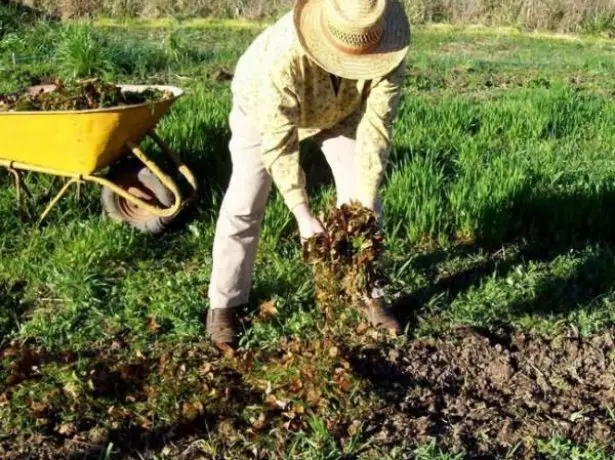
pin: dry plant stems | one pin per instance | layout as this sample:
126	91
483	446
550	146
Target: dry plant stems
83	95
347	258
561	15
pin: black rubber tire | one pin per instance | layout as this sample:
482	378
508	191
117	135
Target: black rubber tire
137	178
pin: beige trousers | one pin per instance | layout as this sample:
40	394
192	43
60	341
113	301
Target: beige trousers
241	214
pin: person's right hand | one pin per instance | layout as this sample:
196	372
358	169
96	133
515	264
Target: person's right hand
309	225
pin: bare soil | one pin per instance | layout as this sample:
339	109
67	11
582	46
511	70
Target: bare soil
488	394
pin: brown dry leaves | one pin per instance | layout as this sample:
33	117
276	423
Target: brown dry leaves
83	95
267	310
346	259
300	380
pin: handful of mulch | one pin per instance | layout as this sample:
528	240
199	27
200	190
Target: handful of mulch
346	258
83	95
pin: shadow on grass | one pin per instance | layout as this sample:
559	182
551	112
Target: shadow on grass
582	286
12	308
550	219
539	225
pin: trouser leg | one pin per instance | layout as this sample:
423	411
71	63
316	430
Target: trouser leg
240	219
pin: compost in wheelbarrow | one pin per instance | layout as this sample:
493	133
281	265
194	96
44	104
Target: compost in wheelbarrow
79	145
77	95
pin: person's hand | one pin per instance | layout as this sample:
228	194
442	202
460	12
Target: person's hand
309	225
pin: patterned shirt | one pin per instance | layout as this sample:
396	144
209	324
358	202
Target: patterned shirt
289	97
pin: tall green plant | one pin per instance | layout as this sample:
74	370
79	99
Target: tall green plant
82	53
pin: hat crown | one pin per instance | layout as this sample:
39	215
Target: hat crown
355	24
353	39
356	10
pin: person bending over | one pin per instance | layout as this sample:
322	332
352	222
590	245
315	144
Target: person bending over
331	70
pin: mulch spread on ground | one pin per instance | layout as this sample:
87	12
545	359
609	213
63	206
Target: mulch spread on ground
484	395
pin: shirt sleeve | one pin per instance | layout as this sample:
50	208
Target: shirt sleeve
374	133
279	115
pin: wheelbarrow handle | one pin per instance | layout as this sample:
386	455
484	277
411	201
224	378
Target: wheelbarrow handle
164	178
181	166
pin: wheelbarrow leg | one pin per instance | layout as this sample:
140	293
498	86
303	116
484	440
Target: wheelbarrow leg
17	179
19	187
58	197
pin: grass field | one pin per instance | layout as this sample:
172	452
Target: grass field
498	211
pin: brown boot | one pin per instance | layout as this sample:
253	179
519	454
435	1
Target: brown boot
379	315
223	327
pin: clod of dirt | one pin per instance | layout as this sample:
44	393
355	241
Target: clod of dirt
346	258
84	95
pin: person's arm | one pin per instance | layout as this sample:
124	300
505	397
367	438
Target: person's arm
279	116
374	133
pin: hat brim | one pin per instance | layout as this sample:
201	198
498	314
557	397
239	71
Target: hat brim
381	60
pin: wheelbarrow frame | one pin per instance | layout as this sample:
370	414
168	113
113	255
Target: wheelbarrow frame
15	168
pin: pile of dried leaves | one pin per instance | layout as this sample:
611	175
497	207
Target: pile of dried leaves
171	394
83	95
346	259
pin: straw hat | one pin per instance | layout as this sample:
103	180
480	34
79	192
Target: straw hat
354	39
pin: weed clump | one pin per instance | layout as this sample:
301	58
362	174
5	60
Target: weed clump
347	258
83	95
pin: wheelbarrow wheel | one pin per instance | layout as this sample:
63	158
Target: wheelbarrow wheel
140	182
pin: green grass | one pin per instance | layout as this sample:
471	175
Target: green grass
498	205
558	448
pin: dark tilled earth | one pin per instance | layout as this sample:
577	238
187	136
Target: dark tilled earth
486	395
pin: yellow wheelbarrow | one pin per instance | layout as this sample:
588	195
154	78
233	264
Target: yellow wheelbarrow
79	145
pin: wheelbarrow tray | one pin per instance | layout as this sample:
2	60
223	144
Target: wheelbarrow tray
80	142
